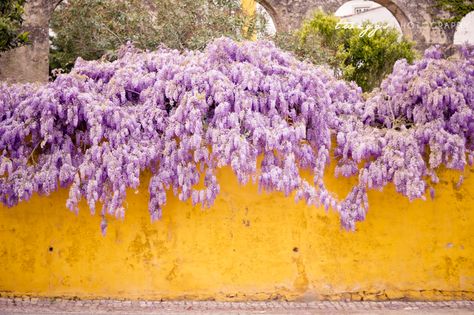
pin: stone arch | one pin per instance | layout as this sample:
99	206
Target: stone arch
395	7
400	15
289	14
413	16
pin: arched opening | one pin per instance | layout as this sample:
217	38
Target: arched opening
262	18
465	30
273	23
270	27
358	12
382	11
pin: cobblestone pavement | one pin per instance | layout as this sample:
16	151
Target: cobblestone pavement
63	306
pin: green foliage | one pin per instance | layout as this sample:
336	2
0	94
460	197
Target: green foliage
11	19
457	9
364	55
92	28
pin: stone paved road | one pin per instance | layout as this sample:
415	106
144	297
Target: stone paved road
75	307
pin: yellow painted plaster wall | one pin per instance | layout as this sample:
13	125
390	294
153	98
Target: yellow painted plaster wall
249	245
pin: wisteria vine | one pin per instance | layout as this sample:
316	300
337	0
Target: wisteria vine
183	115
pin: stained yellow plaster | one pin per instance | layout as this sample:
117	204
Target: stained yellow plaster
248	246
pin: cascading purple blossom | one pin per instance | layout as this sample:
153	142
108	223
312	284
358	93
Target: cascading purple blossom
183	115
421	118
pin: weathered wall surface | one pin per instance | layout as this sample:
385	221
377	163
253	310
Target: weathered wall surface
30	63
249	245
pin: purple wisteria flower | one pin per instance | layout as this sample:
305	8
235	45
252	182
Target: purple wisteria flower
183	115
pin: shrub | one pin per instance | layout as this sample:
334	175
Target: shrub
364	59
11	19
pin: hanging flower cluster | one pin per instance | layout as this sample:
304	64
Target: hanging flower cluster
421	118
183	115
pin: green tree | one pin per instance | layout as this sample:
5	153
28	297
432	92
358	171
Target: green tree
457	9
11	36
92	28
364	54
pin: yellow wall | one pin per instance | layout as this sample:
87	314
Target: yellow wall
248	246
249	8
